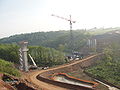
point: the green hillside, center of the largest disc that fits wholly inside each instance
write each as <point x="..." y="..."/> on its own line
<point x="60" y="40"/>
<point x="54" y="39"/>
<point x="98" y="31"/>
<point x="109" y="67"/>
<point x="8" y="68"/>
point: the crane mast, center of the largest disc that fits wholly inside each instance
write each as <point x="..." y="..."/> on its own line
<point x="71" y="33"/>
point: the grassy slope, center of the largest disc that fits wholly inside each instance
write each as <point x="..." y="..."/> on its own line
<point x="8" y="68"/>
<point x="107" y="71"/>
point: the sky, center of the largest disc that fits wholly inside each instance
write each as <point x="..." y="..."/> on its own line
<point x="26" y="16"/>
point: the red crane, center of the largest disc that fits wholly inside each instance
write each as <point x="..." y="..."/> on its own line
<point x="71" y="34"/>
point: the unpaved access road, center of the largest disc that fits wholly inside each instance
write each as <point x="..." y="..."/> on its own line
<point x="31" y="76"/>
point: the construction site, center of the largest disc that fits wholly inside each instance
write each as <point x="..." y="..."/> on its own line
<point x="55" y="78"/>
<point x="59" y="45"/>
<point x="59" y="77"/>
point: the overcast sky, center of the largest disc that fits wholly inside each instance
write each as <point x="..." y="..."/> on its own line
<point x="25" y="16"/>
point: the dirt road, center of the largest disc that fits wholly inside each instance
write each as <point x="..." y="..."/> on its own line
<point x="31" y="76"/>
<point x="40" y="84"/>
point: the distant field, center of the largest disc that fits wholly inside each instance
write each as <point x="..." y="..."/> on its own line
<point x="102" y="30"/>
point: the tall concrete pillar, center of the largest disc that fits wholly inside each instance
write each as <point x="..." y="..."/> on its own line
<point x="20" y="59"/>
<point x="23" y="56"/>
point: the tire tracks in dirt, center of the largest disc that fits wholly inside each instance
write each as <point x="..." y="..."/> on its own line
<point x="31" y="76"/>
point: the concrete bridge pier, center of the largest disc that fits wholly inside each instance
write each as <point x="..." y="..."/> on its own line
<point x="23" y="56"/>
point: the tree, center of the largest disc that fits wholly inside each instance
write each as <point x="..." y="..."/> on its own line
<point x="108" y="54"/>
<point x="46" y="56"/>
<point x="61" y="47"/>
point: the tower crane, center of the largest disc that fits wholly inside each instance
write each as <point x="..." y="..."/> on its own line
<point x="71" y="33"/>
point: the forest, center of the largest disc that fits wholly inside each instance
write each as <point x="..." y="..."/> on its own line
<point x="109" y="67"/>
<point x="53" y="39"/>
<point x="42" y="56"/>
<point x="59" y="40"/>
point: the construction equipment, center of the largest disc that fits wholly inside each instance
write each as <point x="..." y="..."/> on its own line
<point x="71" y="33"/>
<point x="34" y="64"/>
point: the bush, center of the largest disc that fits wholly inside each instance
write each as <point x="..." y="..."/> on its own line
<point x="8" y="68"/>
<point x="108" y="68"/>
